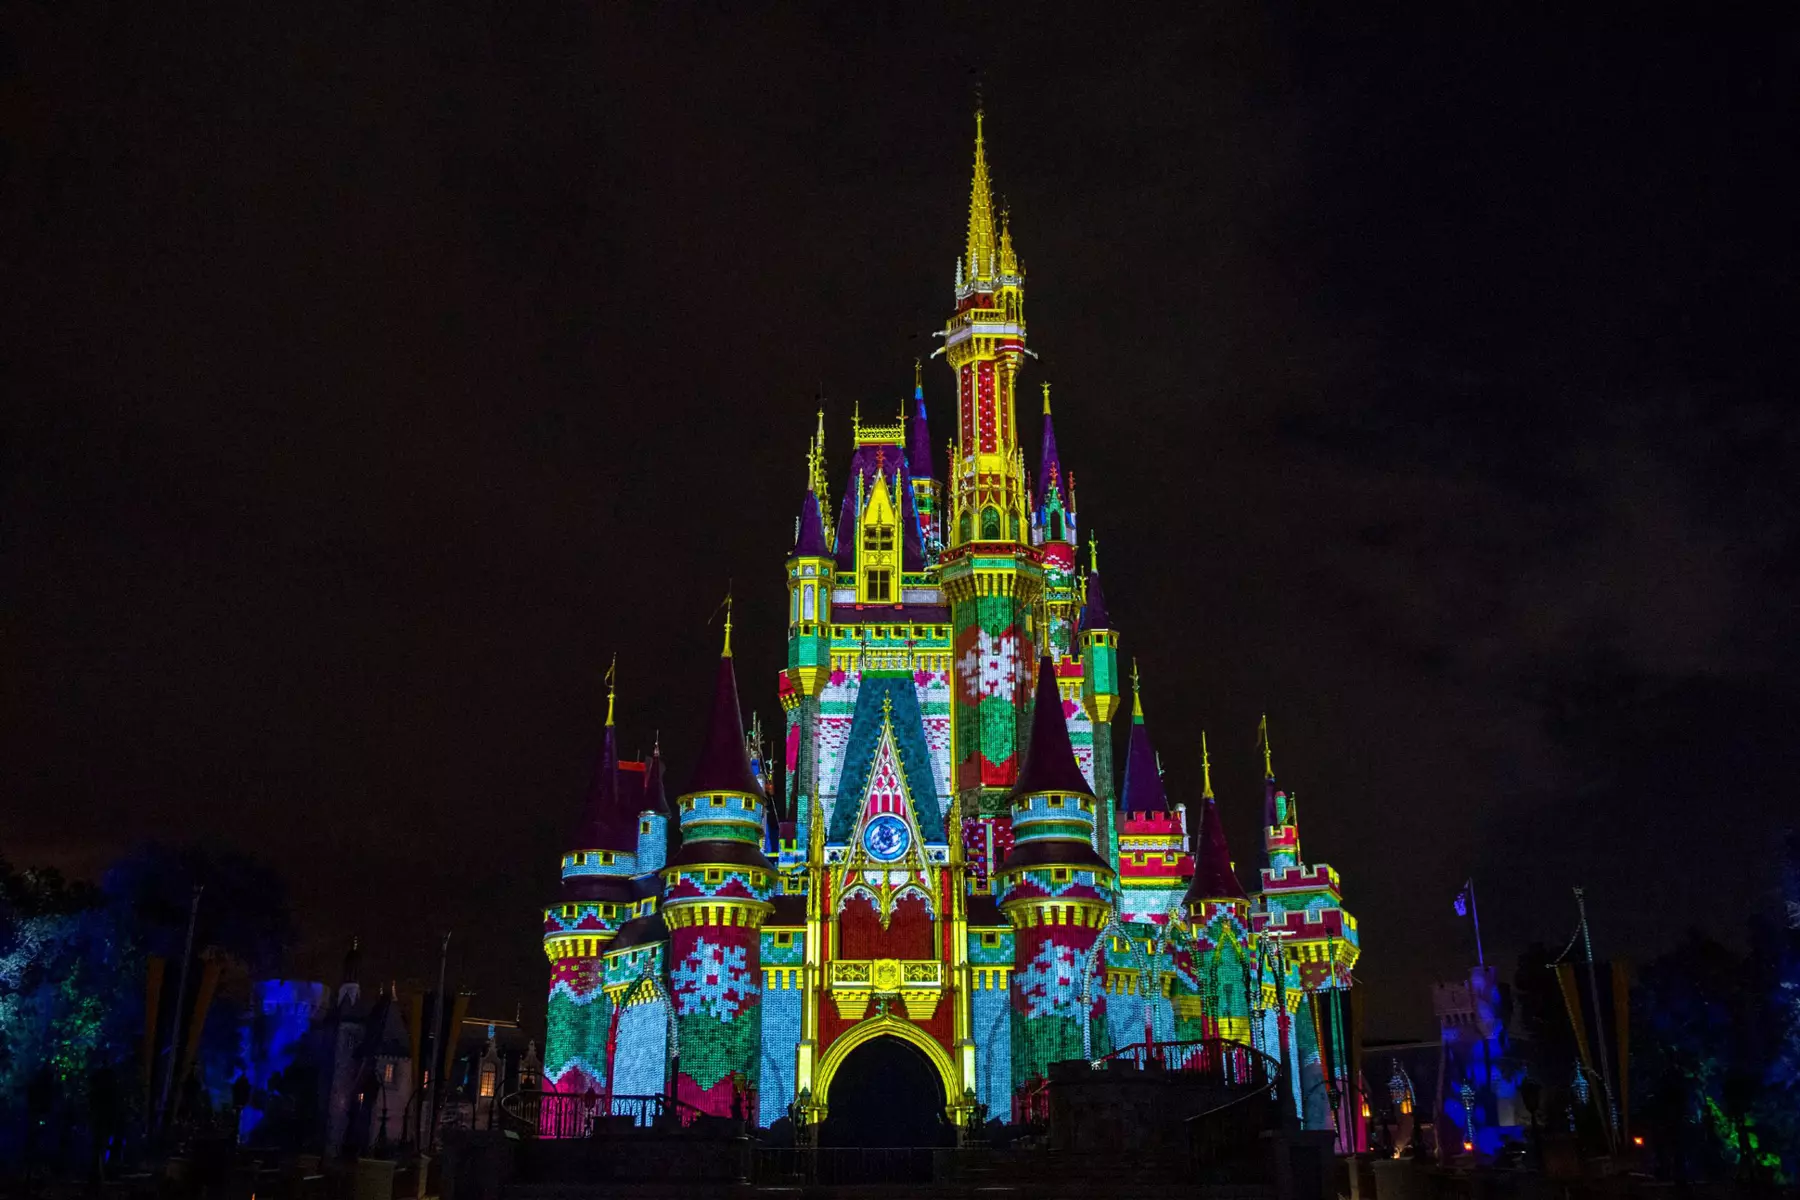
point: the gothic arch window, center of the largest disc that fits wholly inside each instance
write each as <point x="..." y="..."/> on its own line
<point x="1056" y="528"/>
<point x="990" y="525"/>
<point x="964" y="528"/>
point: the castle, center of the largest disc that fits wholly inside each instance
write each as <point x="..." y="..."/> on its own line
<point x="954" y="861"/>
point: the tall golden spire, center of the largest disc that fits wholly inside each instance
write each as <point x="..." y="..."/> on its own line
<point x="1046" y="399"/>
<point x="611" y="682"/>
<point x="980" y="249"/>
<point x="1205" y="769"/>
<point x="1137" y="700"/>
<point x="1262" y="735"/>
<point x="1009" y="261"/>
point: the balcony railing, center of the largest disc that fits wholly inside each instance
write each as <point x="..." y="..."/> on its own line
<point x="588" y="1114"/>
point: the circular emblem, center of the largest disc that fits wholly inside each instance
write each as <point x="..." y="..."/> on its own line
<point x="886" y="838"/>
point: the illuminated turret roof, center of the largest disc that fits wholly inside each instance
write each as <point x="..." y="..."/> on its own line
<point x="981" y="253"/>
<point x="655" y="800"/>
<point x="608" y="822"/>
<point x="1050" y="759"/>
<point x="1214" y="877"/>
<point x="1143" y="792"/>
<point x="1049" y="465"/>
<point x="724" y="763"/>
<point x="811" y="542"/>
<point x="918" y="447"/>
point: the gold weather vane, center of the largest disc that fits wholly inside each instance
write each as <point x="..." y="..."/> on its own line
<point x="1262" y="735"/>
<point x="612" y="673"/>
<point x="1205" y="769"/>
<point x="918" y="374"/>
<point x="1046" y="399"/>
<point x="1093" y="553"/>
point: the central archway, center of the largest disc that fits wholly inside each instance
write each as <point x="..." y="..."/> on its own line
<point x="870" y="1050"/>
<point x="886" y="1092"/>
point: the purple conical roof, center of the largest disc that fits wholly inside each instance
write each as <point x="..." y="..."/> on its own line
<point x="655" y="799"/>
<point x="1214" y="878"/>
<point x="811" y="542"/>
<point x="606" y="825"/>
<point x="1143" y="783"/>
<point x="724" y="763"/>
<point x="1049" y="465"/>
<point x="1093" y="613"/>
<point x="1050" y="759"/>
<point x="918" y="446"/>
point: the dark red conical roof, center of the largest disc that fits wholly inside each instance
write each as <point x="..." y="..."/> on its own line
<point x="608" y="823"/>
<point x="724" y="763"/>
<point x="1050" y="759"/>
<point x="1214" y="878"/>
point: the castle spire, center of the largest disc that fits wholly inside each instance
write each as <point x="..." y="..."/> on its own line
<point x="612" y="672"/>
<point x="1215" y="876"/>
<point x="1262" y="737"/>
<point x="724" y="762"/>
<point x="1205" y="769"/>
<point x="606" y="824"/>
<point x="980" y="251"/>
<point x="1143" y="791"/>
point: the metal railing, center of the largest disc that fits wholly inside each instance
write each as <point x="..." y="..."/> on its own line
<point x="1218" y="1060"/>
<point x="586" y="1114"/>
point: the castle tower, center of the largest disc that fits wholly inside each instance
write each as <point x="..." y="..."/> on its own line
<point x="1217" y="910"/>
<point x="1153" y="853"/>
<point x="1055" y="892"/>
<point x="716" y="897"/>
<point x="1053" y="531"/>
<point x="1100" y="695"/>
<point x="597" y="895"/>
<point x="918" y="462"/>
<point x="992" y="575"/>
<point x="655" y="833"/>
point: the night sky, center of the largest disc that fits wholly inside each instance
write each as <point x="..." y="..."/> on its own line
<point x="374" y="372"/>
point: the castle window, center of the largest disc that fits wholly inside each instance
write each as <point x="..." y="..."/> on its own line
<point x="387" y="1072"/>
<point x="718" y="802"/>
<point x="878" y="537"/>
<point x="990" y="939"/>
<point x="1087" y="805"/>
<point x="1059" y="874"/>
<point x="990" y="524"/>
<point x="809" y="604"/>
<point x="784" y="938"/>
<point x="606" y="857"/>
<point x="880" y="586"/>
<point x="643" y="827"/>
<point x="964" y="528"/>
<point x="1012" y="524"/>
<point x="1054" y="802"/>
<point x="714" y="876"/>
<point x="1056" y="527"/>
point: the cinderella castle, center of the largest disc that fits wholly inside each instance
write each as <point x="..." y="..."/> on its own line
<point x="953" y="861"/>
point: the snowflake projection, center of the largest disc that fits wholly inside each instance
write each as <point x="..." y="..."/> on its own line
<point x="713" y="979"/>
<point x="992" y="665"/>
<point x="1051" y="981"/>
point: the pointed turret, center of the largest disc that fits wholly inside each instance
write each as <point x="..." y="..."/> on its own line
<point x="608" y="823"/>
<point x="1093" y="613"/>
<point x="810" y="542"/>
<point x="918" y="446"/>
<point x="1049" y="757"/>
<point x="1281" y="828"/>
<point x="724" y="762"/>
<point x="1215" y="875"/>
<point x="1050" y="476"/>
<point x="981" y="253"/>
<point x="656" y="832"/>
<point x="1143" y="792"/>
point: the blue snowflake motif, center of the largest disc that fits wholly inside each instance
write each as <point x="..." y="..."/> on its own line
<point x="1050" y="982"/>
<point x="713" y="979"/>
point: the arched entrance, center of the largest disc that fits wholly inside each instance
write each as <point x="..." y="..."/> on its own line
<point x="886" y="1092"/>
